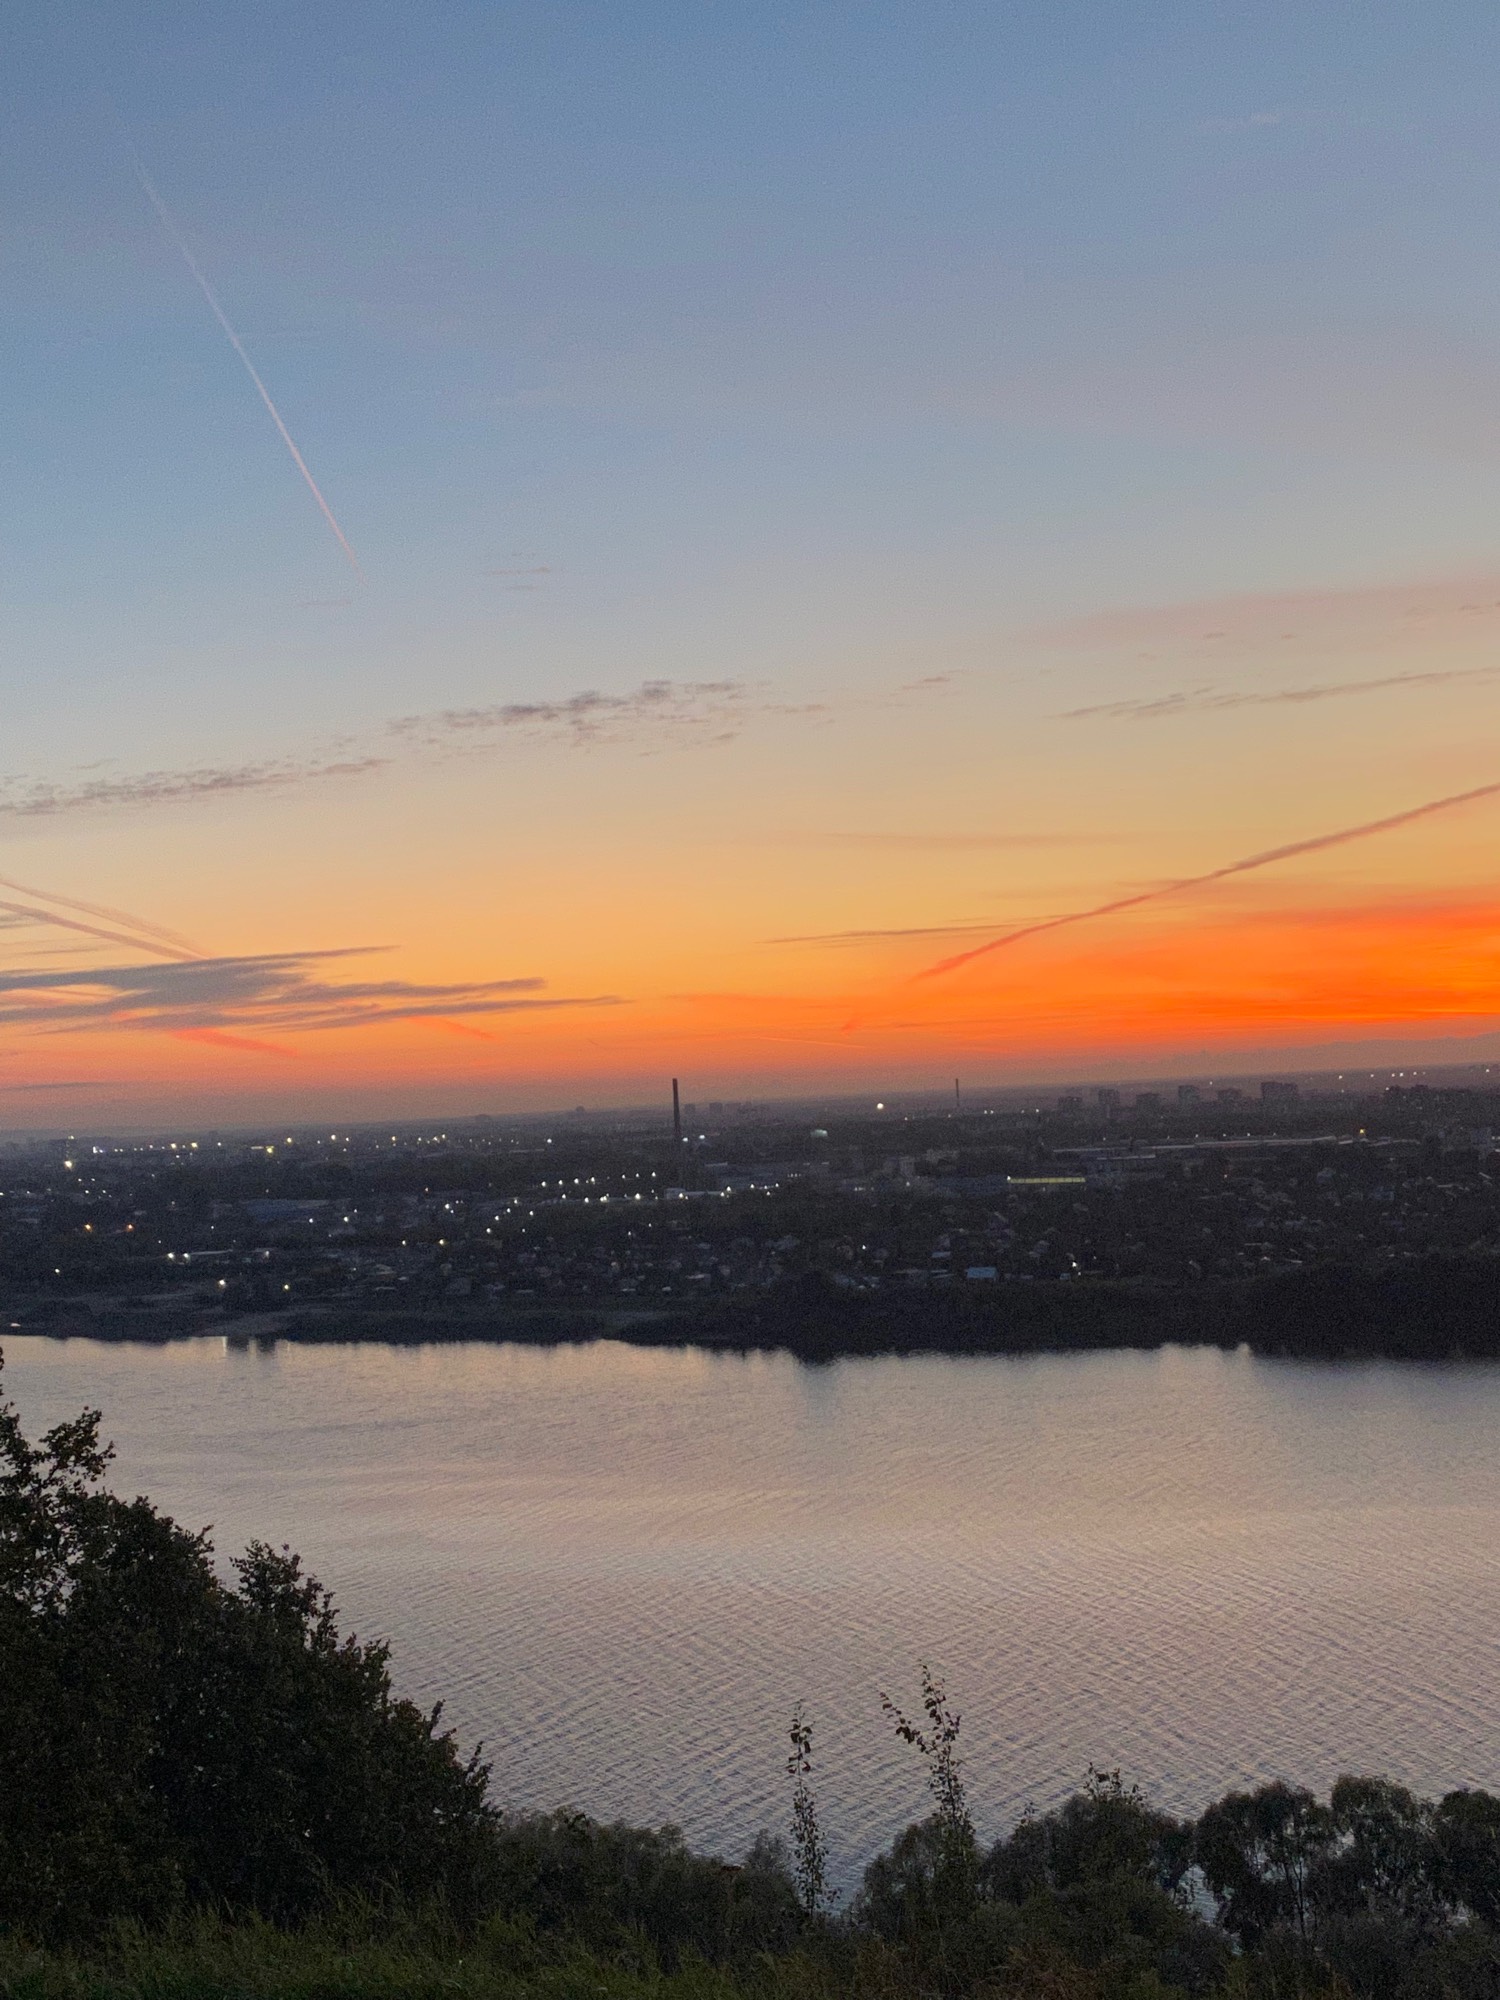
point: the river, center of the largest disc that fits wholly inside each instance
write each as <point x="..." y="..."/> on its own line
<point x="623" y="1566"/>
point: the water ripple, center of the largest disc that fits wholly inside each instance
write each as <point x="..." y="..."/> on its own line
<point x="621" y="1568"/>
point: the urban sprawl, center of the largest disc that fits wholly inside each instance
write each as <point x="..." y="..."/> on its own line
<point x="492" y="1219"/>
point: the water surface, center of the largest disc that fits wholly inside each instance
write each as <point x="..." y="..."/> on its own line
<point x="622" y="1566"/>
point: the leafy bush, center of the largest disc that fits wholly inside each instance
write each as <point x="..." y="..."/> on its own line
<point x="169" y="1741"/>
<point x="613" y="1886"/>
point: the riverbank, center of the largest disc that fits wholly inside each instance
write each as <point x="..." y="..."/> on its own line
<point x="1436" y="1309"/>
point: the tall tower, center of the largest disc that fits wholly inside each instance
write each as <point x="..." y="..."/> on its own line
<point x="676" y="1116"/>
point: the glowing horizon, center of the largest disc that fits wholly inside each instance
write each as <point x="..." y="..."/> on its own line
<point x="798" y="564"/>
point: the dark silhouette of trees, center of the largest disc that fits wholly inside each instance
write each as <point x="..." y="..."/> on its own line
<point x="169" y="1740"/>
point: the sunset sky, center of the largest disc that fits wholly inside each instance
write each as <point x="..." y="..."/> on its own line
<point x="825" y="487"/>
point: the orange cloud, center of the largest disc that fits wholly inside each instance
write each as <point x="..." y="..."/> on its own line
<point x="1176" y="984"/>
<point x="216" y="1038"/>
<point x="1257" y="618"/>
<point x="459" y="1028"/>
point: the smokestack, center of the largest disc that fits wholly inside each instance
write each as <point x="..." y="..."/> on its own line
<point x="958" y="1103"/>
<point x="676" y="1115"/>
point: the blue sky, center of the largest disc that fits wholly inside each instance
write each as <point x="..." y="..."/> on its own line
<point x="804" y="346"/>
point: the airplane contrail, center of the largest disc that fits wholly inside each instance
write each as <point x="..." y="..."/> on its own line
<point x="1252" y="861"/>
<point x="149" y="935"/>
<point x="165" y="218"/>
<point x="136" y="943"/>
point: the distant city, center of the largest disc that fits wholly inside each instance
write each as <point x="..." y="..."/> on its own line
<point x="485" y="1223"/>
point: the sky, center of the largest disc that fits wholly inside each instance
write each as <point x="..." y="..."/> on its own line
<point x="545" y="547"/>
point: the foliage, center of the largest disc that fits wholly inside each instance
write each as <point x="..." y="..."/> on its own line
<point x="1106" y="1832"/>
<point x="955" y="1874"/>
<point x="1466" y="1833"/>
<point x="170" y="1741"/>
<point x="635" y="1890"/>
<point x="809" y="1847"/>
<point x="1261" y="1853"/>
<point x="1090" y="1892"/>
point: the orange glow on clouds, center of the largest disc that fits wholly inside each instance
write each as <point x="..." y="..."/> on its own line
<point x="1200" y="985"/>
<point x="1278" y="973"/>
<point x="750" y="906"/>
<point x="219" y="1038"/>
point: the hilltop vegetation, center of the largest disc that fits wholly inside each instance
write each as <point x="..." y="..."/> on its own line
<point x="205" y="1788"/>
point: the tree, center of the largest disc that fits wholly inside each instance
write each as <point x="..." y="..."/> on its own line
<point x="1385" y="1861"/>
<point x="957" y="1875"/>
<point x="170" y="1741"/>
<point x="1259" y="1852"/>
<point x="1466" y="1830"/>
<point x="1106" y="1832"/>
<point x="809" y="1847"/>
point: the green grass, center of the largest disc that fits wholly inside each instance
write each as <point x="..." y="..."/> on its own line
<point x="339" y="1959"/>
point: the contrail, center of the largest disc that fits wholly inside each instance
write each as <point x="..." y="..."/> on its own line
<point x="164" y="215"/>
<point x="93" y="930"/>
<point x="147" y="934"/>
<point x="1287" y="853"/>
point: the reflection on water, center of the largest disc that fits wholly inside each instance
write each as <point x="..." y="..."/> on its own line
<point x="622" y="1566"/>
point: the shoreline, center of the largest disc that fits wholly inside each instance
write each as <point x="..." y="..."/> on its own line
<point x="1437" y="1309"/>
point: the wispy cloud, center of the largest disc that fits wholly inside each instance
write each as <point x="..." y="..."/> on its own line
<point x="1342" y="837"/>
<point x="926" y="684"/>
<point x="463" y="1028"/>
<point x="69" y="1083"/>
<point x="865" y="937"/>
<point x="950" y="843"/>
<point x="220" y="1038"/>
<point x="1464" y="608"/>
<point x="1157" y="708"/>
<point x="656" y="712"/>
<point x="656" y="715"/>
<point x="40" y="799"/>
<point x="283" y="990"/>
